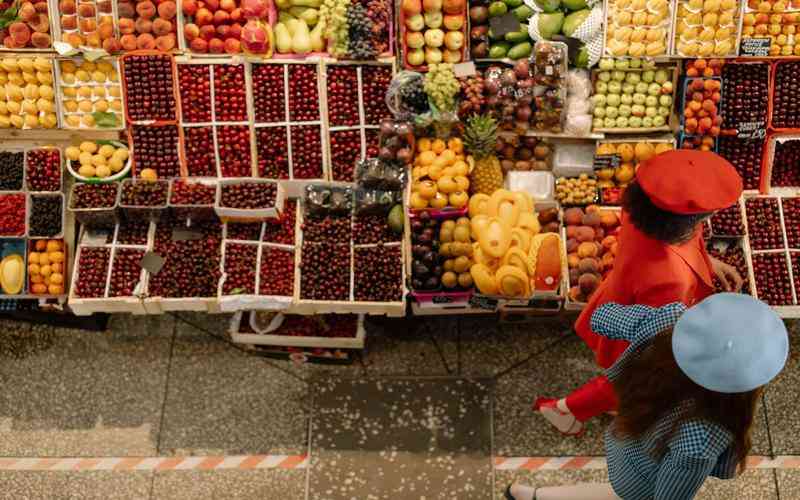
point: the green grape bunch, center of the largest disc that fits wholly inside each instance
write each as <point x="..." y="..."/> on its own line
<point x="334" y="12"/>
<point x="442" y="86"/>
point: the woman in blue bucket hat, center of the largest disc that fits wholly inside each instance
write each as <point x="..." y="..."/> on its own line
<point x="688" y="386"/>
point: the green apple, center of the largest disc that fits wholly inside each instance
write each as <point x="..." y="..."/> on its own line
<point x="621" y="64"/>
<point x="612" y="112"/>
<point x="661" y="76"/>
<point x="659" y="121"/>
<point x="597" y="123"/>
<point x="603" y="76"/>
<point x="599" y="112"/>
<point x="653" y="89"/>
<point x="636" y="63"/>
<point x="647" y="122"/>
<point x="614" y="87"/>
<point x="666" y="88"/>
<point x="600" y="87"/>
<point x="606" y="64"/>
<point x="635" y="121"/>
<point x="628" y="88"/>
<point x="651" y="111"/>
<point x="599" y="99"/>
<point x="648" y="64"/>
<point x="618" y="76"/>
<point x="609" y="122"/>
<point x="622" y="122"/>
<point x="624" y="110"/>
<point x="626" y="99"/>
<point x="641" y="88"/>
<point x="632" y="77"/>
<point x="639" y="98"/>
<point x="613" y="100"/>
<point x="648" y="76"/>
<point x="637" y="110"/>
<point x="664" y="111"/>
<point x="665" y="100"/>
<point x="651" y="100"/>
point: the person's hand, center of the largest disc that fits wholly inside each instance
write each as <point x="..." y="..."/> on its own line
<point x="727" y="275"/>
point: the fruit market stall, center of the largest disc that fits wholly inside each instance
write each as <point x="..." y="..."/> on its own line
<point x="307" y="163"/>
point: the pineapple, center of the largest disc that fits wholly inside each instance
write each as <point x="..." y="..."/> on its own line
<point x="480" y="138"/>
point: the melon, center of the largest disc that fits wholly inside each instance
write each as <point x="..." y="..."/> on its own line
<point x="478" y="204"/>
<point x="12" y="274"/>
<point x="545" y="252"/>
<point x="503" y="204"/>
<point x="519" y="259"/>
<point x="495" y="238"/>
<point x="484" y="279"/>
<point x="521" y="238"/>
<point x="530" y="223"/>
<point x="478" y="224"/>
<point x="512" y="282"/>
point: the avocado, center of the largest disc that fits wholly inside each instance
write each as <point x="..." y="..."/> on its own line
<point x="520" y="50"/>
<point x="518" y="36"/>
<point x="523" y="13"/>
<point x="498" y="50"/>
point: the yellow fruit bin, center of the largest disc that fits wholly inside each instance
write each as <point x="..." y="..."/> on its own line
<point x="638" y="28"/>
<point x="626" y="154"/>
<point x="706" y="28"/>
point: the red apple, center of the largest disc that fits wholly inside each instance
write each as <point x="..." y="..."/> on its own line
<point x="189" y="8"/>
<point x="212" y="5"/>
<point x="235" y="31"/>
<point x="236" y="15"/>
<point x="191" y="31"/>
<point x="221" y="17"/>
<point x="228" y="5"/>
<point x="216" y="46"/>
<point x="207" y="32"/>
<point x="233" y="46"/>
<point x="203" y="17"/>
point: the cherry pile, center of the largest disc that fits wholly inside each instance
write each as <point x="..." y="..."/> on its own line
<point x="772" y="278"/>
<point x="372" y="229"/>
<point x="282" y="230"/>
<point x="306" y="152"/>
<point x="728" y="222"/>
<point x="795" y="257"/>
<point x="328" y="325"/>
<point x="43" y="170"/>
<point x="277" y="272"/>
<point x="345" y="152"/>
<point x="791" y="221"/>
<point x="198" y="145"/>
<point x="273" y="153"/>
<point x="126" y="271"/>
<point x="342" y="89"/>
<point x="144" y="194"/>
<point x="195" y="89"/>
<point x="46" y="217"/>
<point x="250" y="231"/>
<point x="786" y="164"/>
<point x="764" y="223"/>
<point x="94" y="195"/>
<point x="133" y="232"/>
<point x="149" y="92"/>
<point x="377" y="273"/>
<point x="745" y="155"/>
<point x="785" y="113"/>
<point x="192" y="193"/>
<point x="12" y="214"/>
<point x="329" y="228"/>
<point x="249" y="195"/>
<point x="240" y="269"/>
<point x="11" y="170"/>
<point x="373" y="142"/>
<point x="92" y="272"/>
<point x="733" y="255"/>
<point x="191" y="268"/>
<point x="156" y="147"/>
<point x="230" y="94"/>
<point x="375" y="82"/>
<point x="746" y="93"/>
<point x="269" y="100"/>
<point x="234" y="150"/>
<point x="325" y="269"/>
<point x="303" y="93"/>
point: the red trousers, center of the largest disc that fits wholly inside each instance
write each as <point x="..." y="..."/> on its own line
<point x="593" y="398"/>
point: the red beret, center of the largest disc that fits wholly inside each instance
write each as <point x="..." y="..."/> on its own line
<point x="689" y="181"/>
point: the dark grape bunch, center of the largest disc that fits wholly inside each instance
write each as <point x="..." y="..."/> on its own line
<point x="360" y="31"/>
<point x="413" y="97"/>
<point x="378" y="11"/>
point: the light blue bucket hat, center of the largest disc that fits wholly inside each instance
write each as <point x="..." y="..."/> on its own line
<point x="730" y="342"/>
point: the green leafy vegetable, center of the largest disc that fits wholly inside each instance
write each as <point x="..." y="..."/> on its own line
<point x="9" y="15"/>
<point x="105" y="119"/>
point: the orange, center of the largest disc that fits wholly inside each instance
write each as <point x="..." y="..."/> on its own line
<point x="625" y="151"/>
<point x="644" y="151"/>
<point x="53" y="246"/>
<point x="438" y="146"/>
<point x="448" y="156"/>
<point x="455" y="145"/>
<point x="426" y="158"/>
<point x="423" y="144"/>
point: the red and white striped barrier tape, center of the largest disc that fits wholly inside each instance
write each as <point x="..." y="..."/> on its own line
<point x="589" y="463"/>
<point x="241" y="462"/>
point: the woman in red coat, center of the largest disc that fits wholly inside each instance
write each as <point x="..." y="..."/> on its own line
<point x="661" y="259"/>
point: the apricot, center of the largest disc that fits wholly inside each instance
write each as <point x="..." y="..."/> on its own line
<point x="165" y="43"/>
<point x="607" y="261"/>
<point x="572" y="245"/>
<point x="587" y="249"/>
<point x="592" y="208"/>
<point x="167" y="9"/>
<point x="233" y="46"/>
<point x="143" y="25"/>
<point x="69" y="22"/>
<point x="111" y="45"/>
<point x="128" y="42"/>
<point x="589" y="265"/>
<point x="87" y="25"/>
<point x="608" y="219"/>
<point x="221" y="17"/>
<point x="572" y="231"/>
<point x="146" y="9"/>
<point x="576" y="295"/>
<point x="126" y="26"/>
<point x="40" y="40"/>
<point x="93" y="39"/>
<point x="199" y="45"/>
<point x="161" y="27"/>
<point x="145" y="41"/>
<point x="573" y="216"/>
<point x="26" y="12"/>
<point x="105" y="31"/>
<point x="207" y="32"/>
<point x="125" y="10"/>
<point x="20" y="33"/>
<point x="104" y="6"/>
<point x="86" y="10"/>
<point x="74" y="39"/>
<point x="608" y="241"/>
<point x="66" y="6"/>
<point x="599" y="233"/>
<point x="190" y="32"/>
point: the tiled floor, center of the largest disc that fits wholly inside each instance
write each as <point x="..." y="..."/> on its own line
<point x="416" y="416"/>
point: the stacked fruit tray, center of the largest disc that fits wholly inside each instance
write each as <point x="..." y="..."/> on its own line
<point x="288" y="114"/>
<point x="348" y="265"/>
<point x="152" y="112"/>
<point x="772" y="247"/>
<point x="258" y="263"/>
<point x="355" y="108"/>
<point x="781" y="163"/>
<point x="341" y="331"/>
<point x="90" y="94"/>
<point x="216" y="112"/>
<point x="107" y="276"/>
<point x="28" y="97"/>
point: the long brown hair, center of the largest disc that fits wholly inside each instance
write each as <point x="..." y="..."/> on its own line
<point x="652" y="385"/>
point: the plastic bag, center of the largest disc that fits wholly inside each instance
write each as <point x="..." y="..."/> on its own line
<point x="578" y="106"/>
<point x="321" y="199"/>
<point x="375" y="202"/>
<point x="579" y="124"/>
<point x="373" y="173"/>
<point x="579" y="84"/>
<point x="406" y="97"/>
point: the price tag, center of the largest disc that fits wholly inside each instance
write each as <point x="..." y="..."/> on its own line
<point x="751" y="130"/>
<point x="507" y="23"/>
<point x="606" y="161"/>
<point x="464" y="69"/>
<point x="442" y="299"/>
<point x="152" y="262"/>
<point x="755" y="47"/>
<point x="482" y="302"/>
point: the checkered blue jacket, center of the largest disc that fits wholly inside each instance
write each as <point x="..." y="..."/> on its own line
<point x="698" y="449"/>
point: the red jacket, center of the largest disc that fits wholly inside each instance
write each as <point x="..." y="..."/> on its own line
<point x="648" y="272"/>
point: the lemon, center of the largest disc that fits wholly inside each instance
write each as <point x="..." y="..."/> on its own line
<point x="88" y="120"/>
<point x="73" y="153"/>
<point x="85" y="158"/>
<point x="99" y="76"/>
<point x="88" y="146"/>
<point x="103" y="171"/>
<point x="74" y="121"/>
<point x="85" y="106"/>
<point x="106" y="150"/>
<point x="31" y="121"/>
<point x="121" y="153"/>
<point x="87" y="171"/>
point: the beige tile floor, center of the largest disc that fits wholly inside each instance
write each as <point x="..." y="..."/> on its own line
<point x="160" y="387"/>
